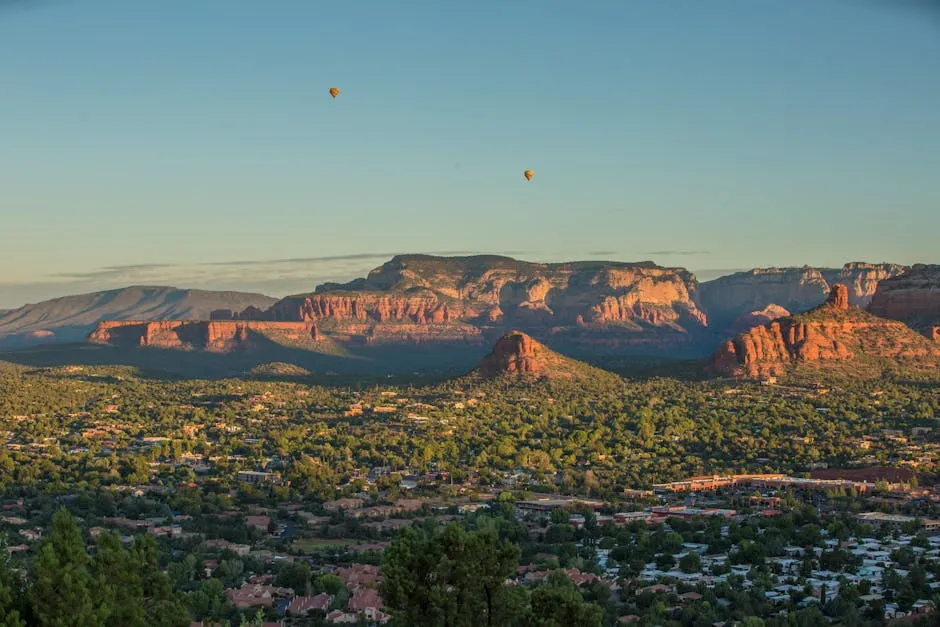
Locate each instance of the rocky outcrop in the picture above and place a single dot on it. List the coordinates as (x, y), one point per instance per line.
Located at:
(862, 279)
(214, 336)
(834, 331)
(913, 298)
(517, 355)
(795, 289)
(838, 299)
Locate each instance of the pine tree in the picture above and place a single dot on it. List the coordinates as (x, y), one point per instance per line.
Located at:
(11, 592)
(61, 594)
(164, 608)
(117, 583)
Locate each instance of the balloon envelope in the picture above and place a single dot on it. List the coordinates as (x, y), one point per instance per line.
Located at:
(528, 174)
(334, 91)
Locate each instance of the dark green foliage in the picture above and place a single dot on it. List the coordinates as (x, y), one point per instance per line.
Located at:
(557, 603)
(448, 577)
(12, 607)
(295, 576)
(63, 590)
(455, 577)
(118, 587)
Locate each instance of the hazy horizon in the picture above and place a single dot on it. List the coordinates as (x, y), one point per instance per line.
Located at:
(281, 277)
(196, 144)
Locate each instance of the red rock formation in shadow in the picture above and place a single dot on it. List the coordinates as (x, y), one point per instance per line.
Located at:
(516, 354)
(834, 331)
(215, 336)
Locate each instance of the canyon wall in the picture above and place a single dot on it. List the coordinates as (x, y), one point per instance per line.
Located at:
(913, 298)
(728, 298)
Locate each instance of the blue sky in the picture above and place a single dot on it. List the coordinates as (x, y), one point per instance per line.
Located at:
(193, 142)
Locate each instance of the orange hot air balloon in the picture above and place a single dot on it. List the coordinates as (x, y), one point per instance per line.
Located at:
(334, 91)
(528, 174)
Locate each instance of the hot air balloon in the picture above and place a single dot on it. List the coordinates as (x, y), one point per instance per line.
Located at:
(528, 174)
(334, 91)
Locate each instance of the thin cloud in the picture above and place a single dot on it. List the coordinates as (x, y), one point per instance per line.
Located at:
(677, 252)
(294, 260)
(112, 271)
(326, 258)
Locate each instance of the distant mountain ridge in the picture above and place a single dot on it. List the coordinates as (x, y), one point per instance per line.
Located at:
(448, 311)
(71, 318)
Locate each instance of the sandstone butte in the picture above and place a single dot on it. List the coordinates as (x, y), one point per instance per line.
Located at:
(422, 299)
(516, 355)
(833, 332)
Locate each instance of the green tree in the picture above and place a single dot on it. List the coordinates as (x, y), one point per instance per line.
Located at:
(256, 621)
(690, 562)
(164, 608)
(295, 576)
(557, 603)
(449, 577)
(331, 584)
(665, 561)
(560, 516)
(117, 582)
(11, 593)
(61, 593)
(208, 601)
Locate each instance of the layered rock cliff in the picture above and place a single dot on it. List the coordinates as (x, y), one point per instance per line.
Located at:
(913, 298)
(795, 289)
(834, 332)
(421, 299)
(421, 289)
(214, 336)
